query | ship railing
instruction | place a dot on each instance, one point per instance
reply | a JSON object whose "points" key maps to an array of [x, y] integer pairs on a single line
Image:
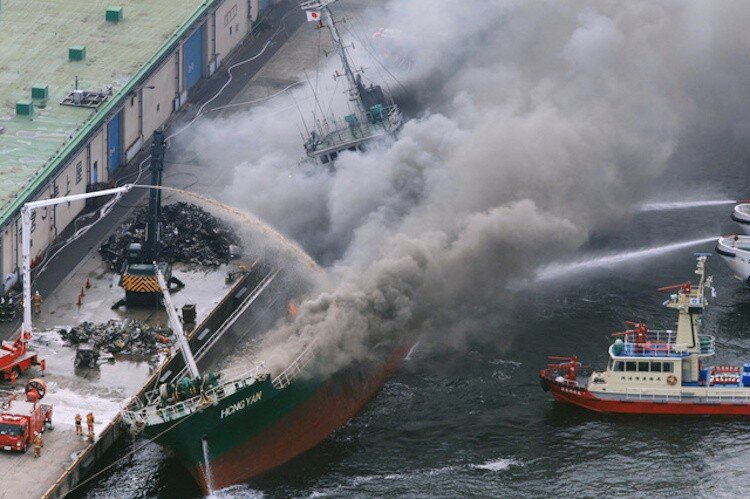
{"points": [[155, 413], [294, 369], [364, 127], [653, 395]]}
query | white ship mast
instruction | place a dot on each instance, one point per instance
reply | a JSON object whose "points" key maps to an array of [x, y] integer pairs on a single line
{"points": [[320, 7]]}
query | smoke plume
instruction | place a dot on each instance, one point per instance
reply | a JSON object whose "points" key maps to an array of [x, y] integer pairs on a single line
{"points": [[533, 124]]}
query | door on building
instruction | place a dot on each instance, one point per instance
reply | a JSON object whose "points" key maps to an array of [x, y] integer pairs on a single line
{"points": [[114, 148], [193, 60]]}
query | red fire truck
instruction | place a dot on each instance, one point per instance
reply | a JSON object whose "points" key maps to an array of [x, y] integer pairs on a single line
{"points": [[21, 420], [15, 358]]}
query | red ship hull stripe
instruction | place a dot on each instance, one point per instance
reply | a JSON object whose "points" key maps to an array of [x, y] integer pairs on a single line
{"points": [[585, 399]]}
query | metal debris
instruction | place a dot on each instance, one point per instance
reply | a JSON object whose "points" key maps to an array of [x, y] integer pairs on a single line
{"points": [[128, 337], [190, 234]]}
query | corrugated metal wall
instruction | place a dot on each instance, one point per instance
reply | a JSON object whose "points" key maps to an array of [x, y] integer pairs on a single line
{"points": [[193, 60]]}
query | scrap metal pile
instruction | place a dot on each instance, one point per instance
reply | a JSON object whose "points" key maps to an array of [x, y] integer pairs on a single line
{"points": [[189, 234], [128, 337]]}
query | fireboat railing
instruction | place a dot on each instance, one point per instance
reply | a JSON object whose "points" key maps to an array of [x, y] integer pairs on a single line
{"points": [[153, 413], [662, 344], [720, 396]]}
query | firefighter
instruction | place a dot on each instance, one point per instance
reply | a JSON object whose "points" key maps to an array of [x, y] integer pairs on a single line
{"points": [[37, 301], [79, 429], [38, 444], [90, 424]]}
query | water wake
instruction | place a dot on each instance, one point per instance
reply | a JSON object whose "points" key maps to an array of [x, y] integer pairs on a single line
{"points": [[682, 205], [558, 270]]}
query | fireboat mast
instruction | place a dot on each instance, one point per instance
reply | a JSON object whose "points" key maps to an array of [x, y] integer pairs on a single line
{"points": [[321, 9]]}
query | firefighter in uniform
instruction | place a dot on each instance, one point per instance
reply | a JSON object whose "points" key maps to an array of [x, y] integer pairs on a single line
{"points": [[37, 301], [38, 444], [79, 429], [90, 424]]}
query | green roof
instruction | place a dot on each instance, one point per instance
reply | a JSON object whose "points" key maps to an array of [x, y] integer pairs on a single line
{"points": [[34, 41]]}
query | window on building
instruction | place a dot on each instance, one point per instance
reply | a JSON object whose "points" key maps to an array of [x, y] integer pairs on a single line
{"points": [[33, 221], [79, 172], [157, 108], [55, 190]]}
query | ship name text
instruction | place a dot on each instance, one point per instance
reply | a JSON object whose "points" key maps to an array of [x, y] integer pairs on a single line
{"points": [[241, 404]]}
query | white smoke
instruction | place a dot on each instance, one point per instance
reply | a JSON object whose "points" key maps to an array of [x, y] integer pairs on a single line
{"points": [[539, 123]]}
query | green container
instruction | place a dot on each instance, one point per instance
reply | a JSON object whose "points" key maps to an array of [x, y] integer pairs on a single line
{"points": [[77, 53], [618, 346], [113, 14], [40, 92], [24, 108]]}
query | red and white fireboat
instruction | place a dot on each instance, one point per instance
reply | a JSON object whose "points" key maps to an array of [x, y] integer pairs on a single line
{"points": [[657, 372]]}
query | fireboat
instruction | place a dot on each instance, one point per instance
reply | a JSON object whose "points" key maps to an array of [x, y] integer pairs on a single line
{"points": [[657, 372]]}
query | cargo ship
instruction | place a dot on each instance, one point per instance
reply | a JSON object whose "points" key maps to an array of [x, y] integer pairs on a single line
{"points": [[657, 372], [228, 431]]}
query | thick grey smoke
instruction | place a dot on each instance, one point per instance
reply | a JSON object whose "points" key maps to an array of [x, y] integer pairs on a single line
{"points": [[539, 123]]}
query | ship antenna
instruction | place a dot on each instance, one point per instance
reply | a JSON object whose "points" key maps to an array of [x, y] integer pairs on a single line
{"points": [[322, 8], [315, 96]]}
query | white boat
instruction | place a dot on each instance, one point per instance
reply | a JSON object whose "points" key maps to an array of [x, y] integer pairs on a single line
{"points": [[735, 250], [741, 215]]}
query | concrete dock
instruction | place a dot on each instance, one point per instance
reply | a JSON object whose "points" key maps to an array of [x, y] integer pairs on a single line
{"points": [[102, 390]]}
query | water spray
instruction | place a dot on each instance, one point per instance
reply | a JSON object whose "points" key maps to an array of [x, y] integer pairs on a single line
{"points": [[250, 219], [558, 270], [682, 205]]}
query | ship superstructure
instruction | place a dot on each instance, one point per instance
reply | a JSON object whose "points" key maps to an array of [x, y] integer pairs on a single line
{"points": [[657, 372], [373, 115]]}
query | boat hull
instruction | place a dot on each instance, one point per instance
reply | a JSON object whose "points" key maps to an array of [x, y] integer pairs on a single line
{"points": [[741, 215], [735, 251], [261, 427], [568, 394]]}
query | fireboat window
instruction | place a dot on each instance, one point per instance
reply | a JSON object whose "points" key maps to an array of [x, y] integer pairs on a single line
{"points": [[643, 367], [656, 367], [619, 366], [630, 366], [668, 367]]}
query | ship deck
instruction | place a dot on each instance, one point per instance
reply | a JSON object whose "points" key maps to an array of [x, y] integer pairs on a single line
{"points": [[102, 391]]}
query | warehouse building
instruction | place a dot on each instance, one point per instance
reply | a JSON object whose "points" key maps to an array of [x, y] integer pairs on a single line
{"points": [[84, 85]]}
